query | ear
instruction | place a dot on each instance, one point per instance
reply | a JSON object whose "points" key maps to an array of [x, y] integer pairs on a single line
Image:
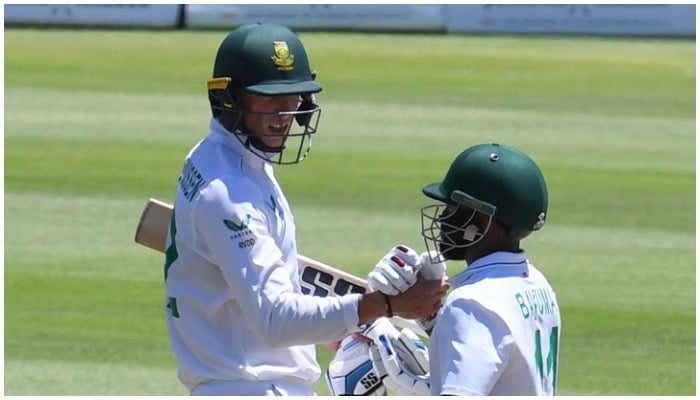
{"points": [[508, 234]]}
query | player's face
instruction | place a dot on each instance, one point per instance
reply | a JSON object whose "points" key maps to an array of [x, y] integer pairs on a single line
{"points": [[452, 222], [265, 116]]}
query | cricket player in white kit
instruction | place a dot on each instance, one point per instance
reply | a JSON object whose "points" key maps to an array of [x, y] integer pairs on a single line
{"points": [[237, 320], [499, 329]]}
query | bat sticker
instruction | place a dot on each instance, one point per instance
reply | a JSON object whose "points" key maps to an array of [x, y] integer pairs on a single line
{"points": [[319, 283]]}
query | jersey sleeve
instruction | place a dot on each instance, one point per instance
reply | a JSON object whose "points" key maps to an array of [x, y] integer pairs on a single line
{"points": [[473, 349], [262, 280]]}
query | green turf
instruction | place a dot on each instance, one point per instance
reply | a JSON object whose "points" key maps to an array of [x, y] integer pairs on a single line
{"points": [[98, 121]]}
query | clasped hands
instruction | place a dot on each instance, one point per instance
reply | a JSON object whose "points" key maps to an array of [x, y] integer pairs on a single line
{"points": [[414, 286], [415, 283], [401, 359]]}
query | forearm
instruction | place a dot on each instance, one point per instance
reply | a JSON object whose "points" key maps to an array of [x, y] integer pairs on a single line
{"points": [[299, 319]]}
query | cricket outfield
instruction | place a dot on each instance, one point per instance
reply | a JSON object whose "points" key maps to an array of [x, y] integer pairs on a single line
{"points": [[96, 122]]}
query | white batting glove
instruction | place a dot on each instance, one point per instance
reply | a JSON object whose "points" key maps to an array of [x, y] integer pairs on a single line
{"points": [[432, 267], [395, 272], [402, 360], [383, 330], [350, 373], [380, 327], [380, 370]]}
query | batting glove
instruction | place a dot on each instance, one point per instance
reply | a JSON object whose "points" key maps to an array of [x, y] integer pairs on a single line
{"points": [[395, 272], [400, 358], [350, 373], [432, 267]]}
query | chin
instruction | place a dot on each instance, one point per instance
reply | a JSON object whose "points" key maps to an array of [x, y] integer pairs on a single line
{"points": [[275, 144], [454, 253]]}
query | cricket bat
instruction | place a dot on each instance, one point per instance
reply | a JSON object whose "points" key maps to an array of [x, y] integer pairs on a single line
{"points": [[317, 278]]}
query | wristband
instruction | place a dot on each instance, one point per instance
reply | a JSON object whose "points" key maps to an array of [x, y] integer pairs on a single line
{"points": [[387, 306]]}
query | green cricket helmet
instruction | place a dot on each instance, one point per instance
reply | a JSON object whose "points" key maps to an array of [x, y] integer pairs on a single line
{"points": [[498, 181], [269, 60]]}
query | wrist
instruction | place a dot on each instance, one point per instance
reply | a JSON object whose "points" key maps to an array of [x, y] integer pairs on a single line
{"points": [[372, 306]]}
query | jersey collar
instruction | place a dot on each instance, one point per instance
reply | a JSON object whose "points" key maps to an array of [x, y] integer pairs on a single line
{"points": [[500, 259], [224, 136]]}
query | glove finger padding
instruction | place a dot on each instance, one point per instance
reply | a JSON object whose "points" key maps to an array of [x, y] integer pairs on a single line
{"points": [[405, 360], [382, 326], [433, 267], [379, 370], [395, 272], [413, 352], [409, 347], [351, 371]]}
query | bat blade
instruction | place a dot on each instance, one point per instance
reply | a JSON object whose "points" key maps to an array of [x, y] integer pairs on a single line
{"points": [[152, 229], [317, 278]]}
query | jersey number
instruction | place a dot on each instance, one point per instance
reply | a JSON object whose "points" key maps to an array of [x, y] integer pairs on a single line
{"points": [[551, 360]]}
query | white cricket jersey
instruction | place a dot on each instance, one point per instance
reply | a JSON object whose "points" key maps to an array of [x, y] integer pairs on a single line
{"points": [[498, 331], [234, 306]]}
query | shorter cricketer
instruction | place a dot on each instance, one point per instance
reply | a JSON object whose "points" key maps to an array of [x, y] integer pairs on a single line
{"points": [[499, 329]]}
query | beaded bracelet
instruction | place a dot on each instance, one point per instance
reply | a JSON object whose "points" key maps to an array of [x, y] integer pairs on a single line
{"points": [[387, 306]]}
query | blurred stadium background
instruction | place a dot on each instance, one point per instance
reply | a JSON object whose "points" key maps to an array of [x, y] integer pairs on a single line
{"points": [[675, 20]]}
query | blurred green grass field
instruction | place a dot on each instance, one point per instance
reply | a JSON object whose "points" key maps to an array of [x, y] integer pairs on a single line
{"points": [[98, 121]]}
